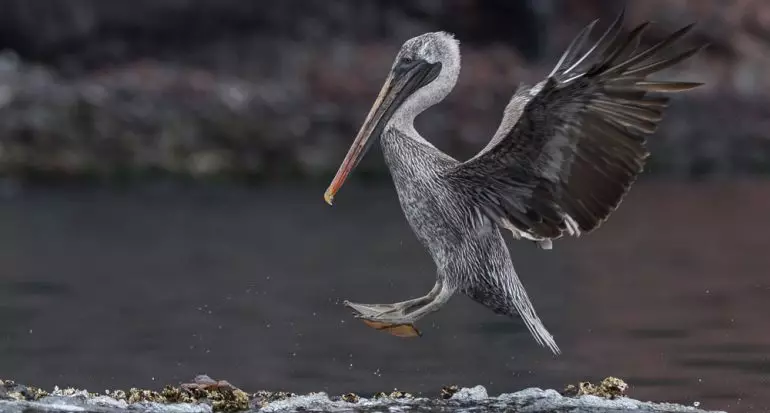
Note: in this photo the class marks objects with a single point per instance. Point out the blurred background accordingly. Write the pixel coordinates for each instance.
(162, 167)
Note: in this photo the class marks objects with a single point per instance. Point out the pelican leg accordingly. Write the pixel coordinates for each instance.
(398, 318)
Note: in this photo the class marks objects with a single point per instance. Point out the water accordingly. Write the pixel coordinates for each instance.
(108, 289)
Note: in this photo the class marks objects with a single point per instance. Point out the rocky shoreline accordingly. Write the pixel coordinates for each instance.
(206, 395)
(195, 127)
(133, 94)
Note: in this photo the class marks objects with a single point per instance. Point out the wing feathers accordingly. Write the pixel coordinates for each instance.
(631, 110)
(620, 47)
(609, 34)
(574, 48)
(654, 49)
(579, 141)
(664, 86)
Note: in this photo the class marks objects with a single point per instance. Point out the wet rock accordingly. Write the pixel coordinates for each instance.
(350, 398)
(314, 401)
(610, 387)
(537, 400)
(136, 395)
(473, 394)
(380, 395)
(448, 391)
(397, 394)
(10, 390)
(107, 401)
(187, 399)
(263, 397)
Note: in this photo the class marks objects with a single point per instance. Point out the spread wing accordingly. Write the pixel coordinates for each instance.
(569, 148)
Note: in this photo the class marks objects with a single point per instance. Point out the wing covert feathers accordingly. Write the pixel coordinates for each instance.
(579, 141)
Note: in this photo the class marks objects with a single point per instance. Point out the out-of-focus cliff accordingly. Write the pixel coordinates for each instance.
(106, 88)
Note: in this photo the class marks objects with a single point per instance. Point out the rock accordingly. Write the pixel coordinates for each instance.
(313, 401)
(107, 401)
(531, 400)
(10, 390)
(448, 391)
(610, 388)
(78, 104)
(350, 398)
(473, 394)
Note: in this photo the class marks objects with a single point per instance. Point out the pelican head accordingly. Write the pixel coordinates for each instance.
(423, 73)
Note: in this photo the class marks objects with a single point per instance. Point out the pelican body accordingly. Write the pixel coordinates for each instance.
(565, 154)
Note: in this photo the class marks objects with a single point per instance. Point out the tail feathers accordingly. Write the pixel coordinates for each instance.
(527, 313)
(508, 297)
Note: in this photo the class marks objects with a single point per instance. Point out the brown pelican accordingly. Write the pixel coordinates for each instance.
(565, 154)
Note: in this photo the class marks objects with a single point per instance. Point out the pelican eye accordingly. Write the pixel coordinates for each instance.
(406, 63)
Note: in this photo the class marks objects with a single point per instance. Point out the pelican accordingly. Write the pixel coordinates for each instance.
(567, 151)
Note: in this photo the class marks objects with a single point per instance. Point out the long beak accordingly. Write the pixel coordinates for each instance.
(404, 80)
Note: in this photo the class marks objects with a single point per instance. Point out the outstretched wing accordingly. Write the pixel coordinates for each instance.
(570, 147)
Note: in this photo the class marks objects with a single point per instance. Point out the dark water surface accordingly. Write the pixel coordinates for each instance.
(108, 289)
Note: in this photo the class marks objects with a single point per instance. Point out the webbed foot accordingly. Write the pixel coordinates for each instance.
(369, 310)
(385, 317)
(398, 319)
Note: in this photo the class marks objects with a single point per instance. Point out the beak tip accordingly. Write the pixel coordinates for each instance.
(329, 198)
